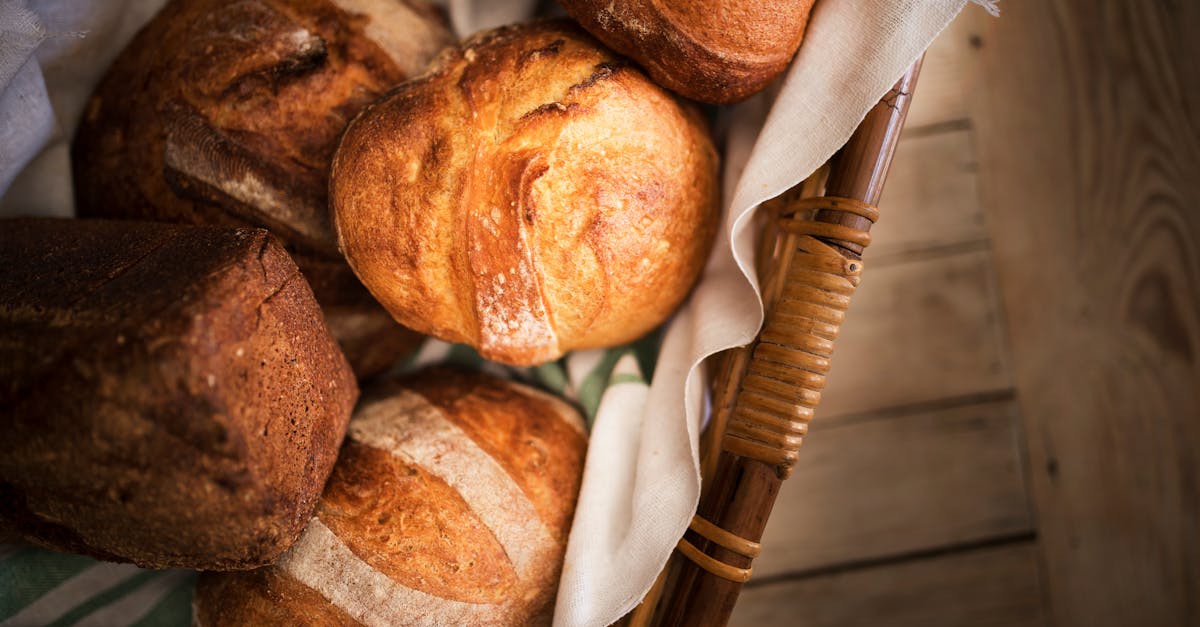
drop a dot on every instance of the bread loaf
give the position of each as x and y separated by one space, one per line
171 395
450 505
717 52
530 195
227 113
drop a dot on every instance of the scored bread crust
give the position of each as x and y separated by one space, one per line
531 194
450 504
228 113
717 52
172 396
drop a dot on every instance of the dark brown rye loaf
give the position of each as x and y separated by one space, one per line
170 395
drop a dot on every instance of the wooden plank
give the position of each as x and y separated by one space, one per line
932 196
949 72
989 587
918 331
888 486
1089 142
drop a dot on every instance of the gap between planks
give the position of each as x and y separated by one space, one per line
900 485
996 585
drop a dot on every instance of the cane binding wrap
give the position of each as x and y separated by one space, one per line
722 538
787 371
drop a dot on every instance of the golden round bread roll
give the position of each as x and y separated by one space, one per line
450 504
228 113
718 51
530 194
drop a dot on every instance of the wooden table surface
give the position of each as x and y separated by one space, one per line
1016 437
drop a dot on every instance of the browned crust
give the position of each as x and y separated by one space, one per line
529 435
260 597
414 528
365 331
532 194
172 396
211 93
227 113
717 52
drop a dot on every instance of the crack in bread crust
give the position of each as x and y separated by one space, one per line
572 206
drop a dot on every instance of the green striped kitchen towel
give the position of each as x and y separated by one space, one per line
40 587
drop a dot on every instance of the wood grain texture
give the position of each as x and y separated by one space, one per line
1089 139
898 484
993 587
931 200
918 331
950 72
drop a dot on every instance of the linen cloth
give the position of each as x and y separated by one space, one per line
641 482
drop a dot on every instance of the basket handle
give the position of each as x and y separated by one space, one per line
780 387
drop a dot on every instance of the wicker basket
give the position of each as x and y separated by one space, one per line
765 393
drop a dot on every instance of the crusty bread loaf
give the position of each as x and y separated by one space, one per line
530 195
227 113
450 505
171 395
718 51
